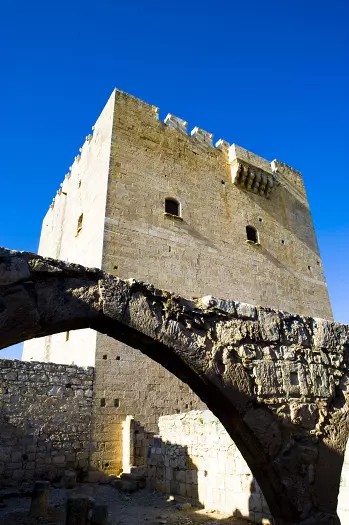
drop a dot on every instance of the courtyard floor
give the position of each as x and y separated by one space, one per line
139 508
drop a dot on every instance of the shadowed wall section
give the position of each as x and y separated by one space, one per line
45 421
276 381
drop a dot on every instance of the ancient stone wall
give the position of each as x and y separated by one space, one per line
119 184
151 161
277 382
45 417
72 230
204 251
128 382
193 456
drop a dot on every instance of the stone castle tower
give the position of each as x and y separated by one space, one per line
145 199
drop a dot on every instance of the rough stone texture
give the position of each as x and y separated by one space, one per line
126 169
194 456
151 161
278 383
45 418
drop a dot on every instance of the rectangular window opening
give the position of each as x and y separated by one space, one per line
172 207
294 378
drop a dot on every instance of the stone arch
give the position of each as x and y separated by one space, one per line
239 359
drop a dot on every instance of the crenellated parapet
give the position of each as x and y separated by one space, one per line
175 122
202 135
63 189
248 171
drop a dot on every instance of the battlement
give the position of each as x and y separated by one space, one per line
249 171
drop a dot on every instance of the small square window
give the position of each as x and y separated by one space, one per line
172 207
252 234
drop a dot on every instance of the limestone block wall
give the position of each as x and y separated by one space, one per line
45 416
149 162
128 382
72 230
119 183
192 455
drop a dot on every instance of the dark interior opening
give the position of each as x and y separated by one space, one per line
252 234
172 207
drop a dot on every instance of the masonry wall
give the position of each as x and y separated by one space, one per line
126 170
82 196
45 417
192 455
204 252
127 382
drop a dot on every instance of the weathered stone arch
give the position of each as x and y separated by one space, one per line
277 382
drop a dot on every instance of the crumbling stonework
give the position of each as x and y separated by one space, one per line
276 381
45 419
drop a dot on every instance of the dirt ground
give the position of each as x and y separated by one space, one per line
142 507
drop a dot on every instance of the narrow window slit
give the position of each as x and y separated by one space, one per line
252 234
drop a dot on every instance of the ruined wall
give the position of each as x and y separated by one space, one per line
73 231
193 455
45 416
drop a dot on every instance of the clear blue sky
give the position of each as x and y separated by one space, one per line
271 76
